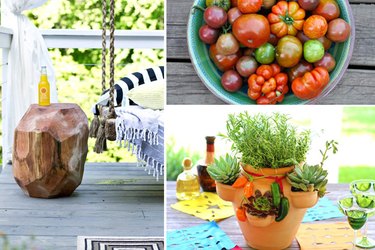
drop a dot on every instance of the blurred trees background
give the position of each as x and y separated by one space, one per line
78 71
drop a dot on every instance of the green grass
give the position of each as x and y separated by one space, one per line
348 174
358 120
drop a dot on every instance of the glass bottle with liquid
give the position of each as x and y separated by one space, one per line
44 88
187 186
207 183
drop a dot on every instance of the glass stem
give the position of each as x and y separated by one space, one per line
355 240
364 235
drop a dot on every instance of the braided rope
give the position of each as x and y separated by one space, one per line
104 42
112 58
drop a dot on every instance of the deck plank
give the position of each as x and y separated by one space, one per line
113 200
185 87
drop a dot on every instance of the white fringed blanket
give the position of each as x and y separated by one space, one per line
142 130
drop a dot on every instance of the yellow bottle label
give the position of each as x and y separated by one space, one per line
44 91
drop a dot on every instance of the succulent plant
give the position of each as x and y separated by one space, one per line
309 178
261 205
225 170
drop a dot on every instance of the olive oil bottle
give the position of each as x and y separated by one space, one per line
44 89
187 186
207 183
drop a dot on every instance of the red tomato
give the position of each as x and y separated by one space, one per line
315 26
223 63
252 30
328 9
311 84
249 6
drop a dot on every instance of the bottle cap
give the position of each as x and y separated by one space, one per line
187 163
210 139
44 70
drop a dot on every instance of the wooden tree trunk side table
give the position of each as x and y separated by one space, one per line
50 149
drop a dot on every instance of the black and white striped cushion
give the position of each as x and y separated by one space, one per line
127 83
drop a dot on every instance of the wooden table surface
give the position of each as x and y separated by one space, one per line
178 220
356 87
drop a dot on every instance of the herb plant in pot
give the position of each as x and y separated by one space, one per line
270 148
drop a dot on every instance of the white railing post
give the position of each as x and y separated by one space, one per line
4 62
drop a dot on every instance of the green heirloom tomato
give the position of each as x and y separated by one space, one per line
265 54
313 51
288 51
225 4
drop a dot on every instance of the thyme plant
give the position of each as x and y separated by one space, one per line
267 141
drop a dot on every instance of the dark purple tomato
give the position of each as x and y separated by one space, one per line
308 4
248 52
233 14
208 35
273 39
215 17
302 37
328 62
329 9
299 70
246 66
231 81
338 30
325 41
227 44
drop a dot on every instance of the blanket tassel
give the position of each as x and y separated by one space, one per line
101 141
94 126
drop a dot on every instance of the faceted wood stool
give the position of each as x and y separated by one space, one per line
50 149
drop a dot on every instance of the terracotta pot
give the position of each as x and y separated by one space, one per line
304 199
260 222
258 232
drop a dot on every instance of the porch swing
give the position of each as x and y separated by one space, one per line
119 118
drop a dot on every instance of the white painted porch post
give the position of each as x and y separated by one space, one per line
4 62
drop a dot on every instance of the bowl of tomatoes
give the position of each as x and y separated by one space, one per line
269 51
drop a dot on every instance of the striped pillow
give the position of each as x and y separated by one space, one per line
127 83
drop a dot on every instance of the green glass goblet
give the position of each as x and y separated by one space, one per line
356 215
364 191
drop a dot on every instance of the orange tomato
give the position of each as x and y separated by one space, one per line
315 27
286 18
249 6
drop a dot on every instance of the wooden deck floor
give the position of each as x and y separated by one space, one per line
113 200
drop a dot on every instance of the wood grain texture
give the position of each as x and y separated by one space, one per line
178 220
117 199
184 86
50 149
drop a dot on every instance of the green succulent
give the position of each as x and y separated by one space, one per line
310 178
261 205
225 169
